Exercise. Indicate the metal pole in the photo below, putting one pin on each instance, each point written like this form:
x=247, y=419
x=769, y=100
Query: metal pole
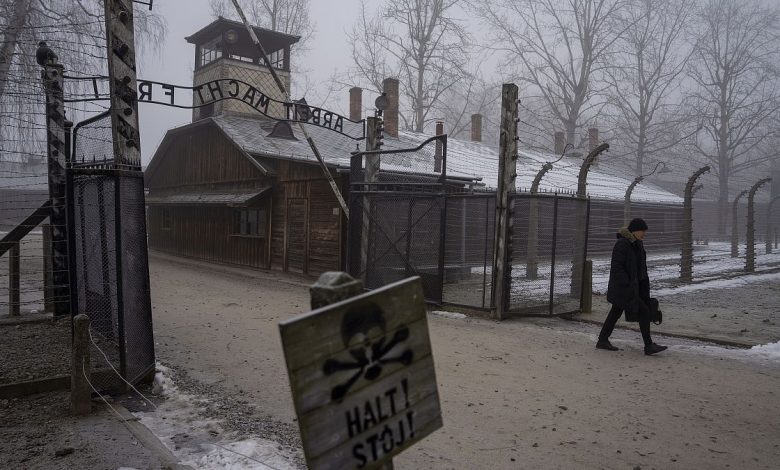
x=283, y=89
x=53, y=85
x=686, y=257
x=507, y=172
x=750, y=249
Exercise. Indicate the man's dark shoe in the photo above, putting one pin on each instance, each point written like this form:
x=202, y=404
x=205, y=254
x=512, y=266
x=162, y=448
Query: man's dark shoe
x=654, y=348
x=606, y=345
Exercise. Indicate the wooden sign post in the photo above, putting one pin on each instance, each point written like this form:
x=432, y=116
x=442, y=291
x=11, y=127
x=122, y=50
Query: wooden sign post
x=362, y=377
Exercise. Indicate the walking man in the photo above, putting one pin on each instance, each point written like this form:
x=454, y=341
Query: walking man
x=629, y=286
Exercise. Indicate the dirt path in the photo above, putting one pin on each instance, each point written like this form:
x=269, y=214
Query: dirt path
x=518, y=394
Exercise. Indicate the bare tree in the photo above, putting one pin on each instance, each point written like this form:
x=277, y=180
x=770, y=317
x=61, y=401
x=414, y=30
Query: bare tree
x=650, y=63
x=418, y=41
x=285, y=16
x=75, y=30
x=735, y=70
x=471, y=95
x=561, y=46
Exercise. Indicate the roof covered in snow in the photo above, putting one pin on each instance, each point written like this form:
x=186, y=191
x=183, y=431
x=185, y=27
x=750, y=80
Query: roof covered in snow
x=465, y=159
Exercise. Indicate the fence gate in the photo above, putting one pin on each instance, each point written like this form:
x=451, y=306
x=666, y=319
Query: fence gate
x=108, y=254
x=397, y=214
x=548, y=250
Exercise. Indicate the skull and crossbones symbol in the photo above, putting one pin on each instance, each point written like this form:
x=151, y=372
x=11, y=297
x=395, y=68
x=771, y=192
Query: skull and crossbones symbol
x=358, y=327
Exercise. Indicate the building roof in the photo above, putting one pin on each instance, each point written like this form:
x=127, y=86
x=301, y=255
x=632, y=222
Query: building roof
x=237, y=198
x=271, y=40
x=475, y=161
x=465, y=159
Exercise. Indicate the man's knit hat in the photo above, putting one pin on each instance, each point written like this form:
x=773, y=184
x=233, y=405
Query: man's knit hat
x=636, y=225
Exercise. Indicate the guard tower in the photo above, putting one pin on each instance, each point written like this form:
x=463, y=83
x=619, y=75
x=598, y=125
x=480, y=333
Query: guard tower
x=224, y=50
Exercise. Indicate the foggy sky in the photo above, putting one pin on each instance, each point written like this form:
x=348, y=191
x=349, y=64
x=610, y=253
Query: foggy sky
x=175, y=61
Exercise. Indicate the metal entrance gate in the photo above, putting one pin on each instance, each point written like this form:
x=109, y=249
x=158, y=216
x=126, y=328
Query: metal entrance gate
x=397, y=217
x=108, y=255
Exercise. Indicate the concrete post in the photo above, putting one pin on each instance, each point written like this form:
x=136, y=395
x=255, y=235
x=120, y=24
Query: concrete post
x=14, y=281
x=686, y=257
x=581, y=226
x=532, y=261
x=507, y=173
x=734, y=226
x=769, y=224
x=750, y=249
x=80, y=390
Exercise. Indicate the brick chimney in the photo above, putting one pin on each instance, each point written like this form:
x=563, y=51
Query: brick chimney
x=355, y=103
x=390, y=86
x=593, y=138
x=476, y=127
x=560, y=143
x=437, y=156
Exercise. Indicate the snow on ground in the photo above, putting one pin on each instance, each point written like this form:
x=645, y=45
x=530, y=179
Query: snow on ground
x=761, y=353
x=711, y=264
x=202, y=443
x=445, y=314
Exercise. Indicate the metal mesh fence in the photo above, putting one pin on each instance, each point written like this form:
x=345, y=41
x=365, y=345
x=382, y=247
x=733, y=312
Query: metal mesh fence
x=547, y=251
x=136, y=304
x=93, y=143
x=95, y=266
x=396, y=223
x=402, y=239
x=470, y=236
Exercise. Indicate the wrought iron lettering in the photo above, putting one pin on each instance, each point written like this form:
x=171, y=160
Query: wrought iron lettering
x=229, y=88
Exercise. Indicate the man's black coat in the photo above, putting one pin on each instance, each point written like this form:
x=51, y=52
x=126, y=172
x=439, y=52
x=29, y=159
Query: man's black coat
x=628, y=281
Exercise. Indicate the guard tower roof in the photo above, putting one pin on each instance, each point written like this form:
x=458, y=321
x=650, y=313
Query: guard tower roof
x=271, y=40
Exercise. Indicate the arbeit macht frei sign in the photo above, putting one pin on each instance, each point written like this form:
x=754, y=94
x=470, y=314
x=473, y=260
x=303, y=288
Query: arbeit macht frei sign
x=362, y=377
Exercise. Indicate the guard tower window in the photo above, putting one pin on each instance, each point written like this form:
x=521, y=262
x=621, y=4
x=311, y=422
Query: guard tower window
x=277, y=59
x=209, y=52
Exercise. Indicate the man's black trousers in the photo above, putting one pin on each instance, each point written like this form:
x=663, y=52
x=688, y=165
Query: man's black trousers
x=614, y=316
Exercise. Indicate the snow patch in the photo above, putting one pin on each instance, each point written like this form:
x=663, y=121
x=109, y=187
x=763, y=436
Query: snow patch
x=203, y=443
x=767, y=351
x=718, y=284
x=445, y=314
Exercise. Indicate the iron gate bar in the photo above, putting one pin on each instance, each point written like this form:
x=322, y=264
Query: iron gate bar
x=394, y=243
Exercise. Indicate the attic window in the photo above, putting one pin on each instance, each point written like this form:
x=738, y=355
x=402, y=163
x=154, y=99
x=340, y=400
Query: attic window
x=283, y=130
